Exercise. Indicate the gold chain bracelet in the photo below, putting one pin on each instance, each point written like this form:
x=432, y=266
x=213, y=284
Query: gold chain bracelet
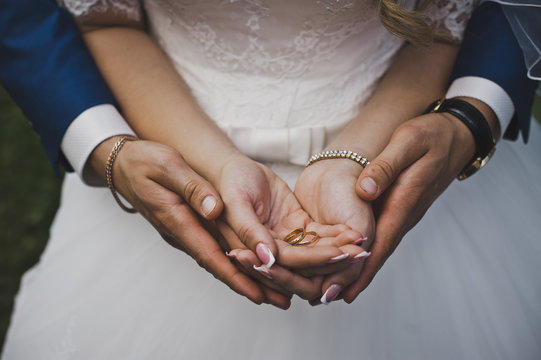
x=109, y=170
x=339, y=154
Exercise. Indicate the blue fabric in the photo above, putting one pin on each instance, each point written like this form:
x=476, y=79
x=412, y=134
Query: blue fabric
x=46, y=68
x=490, y=50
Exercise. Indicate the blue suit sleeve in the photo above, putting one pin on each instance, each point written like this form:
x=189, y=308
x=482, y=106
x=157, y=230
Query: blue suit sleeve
x=47, y=69
x=490, y=50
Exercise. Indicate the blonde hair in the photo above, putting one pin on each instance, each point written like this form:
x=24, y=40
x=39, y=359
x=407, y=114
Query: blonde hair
x=410, y=25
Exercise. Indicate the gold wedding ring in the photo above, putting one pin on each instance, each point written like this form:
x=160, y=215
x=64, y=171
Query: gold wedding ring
x=298, y=237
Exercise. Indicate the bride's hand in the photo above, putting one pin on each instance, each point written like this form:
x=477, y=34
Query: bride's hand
x=326, y=190
x=260, y=210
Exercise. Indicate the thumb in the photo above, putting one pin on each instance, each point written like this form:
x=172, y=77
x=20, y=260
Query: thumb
x=194, y=189
x=243, y=219
x=400, y=153
x=376, y=178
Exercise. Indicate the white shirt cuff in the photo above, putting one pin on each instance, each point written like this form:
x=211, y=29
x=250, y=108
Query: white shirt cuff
x=87, y=131
x=488, y=92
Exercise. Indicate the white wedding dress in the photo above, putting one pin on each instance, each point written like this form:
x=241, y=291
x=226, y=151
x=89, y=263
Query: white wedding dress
x=281, y=77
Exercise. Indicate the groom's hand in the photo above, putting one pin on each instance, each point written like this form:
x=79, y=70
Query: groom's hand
x=155, y=179
x=423, y=157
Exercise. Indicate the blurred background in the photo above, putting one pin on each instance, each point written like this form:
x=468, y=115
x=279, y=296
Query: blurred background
x=29, y=195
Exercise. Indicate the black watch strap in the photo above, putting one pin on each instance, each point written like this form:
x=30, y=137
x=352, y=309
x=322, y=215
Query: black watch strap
x=478, y=125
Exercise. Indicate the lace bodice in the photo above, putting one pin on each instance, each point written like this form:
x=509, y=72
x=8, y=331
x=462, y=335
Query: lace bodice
x=280, y=77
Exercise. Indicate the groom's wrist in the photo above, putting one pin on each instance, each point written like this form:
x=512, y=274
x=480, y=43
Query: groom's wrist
x=98, y=159
x=86, y=132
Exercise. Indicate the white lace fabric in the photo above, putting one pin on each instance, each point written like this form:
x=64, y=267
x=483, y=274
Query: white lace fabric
x=448, y=18
x=118, y=9
x=280, y=77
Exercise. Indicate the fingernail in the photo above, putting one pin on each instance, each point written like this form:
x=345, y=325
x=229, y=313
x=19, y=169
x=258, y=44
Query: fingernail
x=360, y=240
x=331, y=294
x=208, y=204
x=265, y=255
x=263, y=271
x=369, y=185
x=359, y=257
x=338, y=258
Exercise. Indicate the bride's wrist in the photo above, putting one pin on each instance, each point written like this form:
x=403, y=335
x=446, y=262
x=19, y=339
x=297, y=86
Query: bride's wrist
x=216, y=166
x=343, y=166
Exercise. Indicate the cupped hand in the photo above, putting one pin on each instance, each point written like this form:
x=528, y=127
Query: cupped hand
x=260, y=210
x=326, y=190
x=422, y=158
x=155, y=179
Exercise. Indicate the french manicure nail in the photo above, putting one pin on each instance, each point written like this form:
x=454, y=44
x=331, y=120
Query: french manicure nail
x=369, y=185
x=208, y=204
x=360, y=256
x=360, y=240
x=338, y=258
x=263, y=271
x=265, y=255
x=331, y=294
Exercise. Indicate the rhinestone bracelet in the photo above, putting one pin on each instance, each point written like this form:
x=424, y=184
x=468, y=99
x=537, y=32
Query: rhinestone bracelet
x=339, y=154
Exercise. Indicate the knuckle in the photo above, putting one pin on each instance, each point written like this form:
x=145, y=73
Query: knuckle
x=244, y=233
x=192, y=190
x=202, y=259
x=387, y=250
x=309, y=294
x=313, y=291
x=383, y=170
x=414, y=133
x=166, y=159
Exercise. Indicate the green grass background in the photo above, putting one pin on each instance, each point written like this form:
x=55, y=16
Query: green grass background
x=29, y=194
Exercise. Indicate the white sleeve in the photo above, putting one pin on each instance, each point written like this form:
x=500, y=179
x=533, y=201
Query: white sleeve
x=488, y=92
x=87, y=131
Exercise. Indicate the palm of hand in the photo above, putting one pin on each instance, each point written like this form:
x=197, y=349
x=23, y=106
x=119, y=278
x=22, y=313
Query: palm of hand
x=252, y=186
x=263, y=203
x=327, y=193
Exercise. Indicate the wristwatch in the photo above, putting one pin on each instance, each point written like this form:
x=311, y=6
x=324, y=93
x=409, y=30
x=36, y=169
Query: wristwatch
x=478, y=125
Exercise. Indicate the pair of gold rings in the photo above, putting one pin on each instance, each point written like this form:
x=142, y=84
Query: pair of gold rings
x=298, y=237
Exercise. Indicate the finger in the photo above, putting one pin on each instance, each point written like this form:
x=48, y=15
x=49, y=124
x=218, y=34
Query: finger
x=253, y=267
x=348, y=236
x=403, y=149
x=279, y=278
x=291, y=282
x=323, y=230
x=324, y=270
x=242, y=218
x=334, y=284
x=298, y=257
x=208, y=254
x=328, y=235
x=245, y=259
x=392, y=224
x=275, y=298
x=231, y=239
x=178, y=177
x=355, y=254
